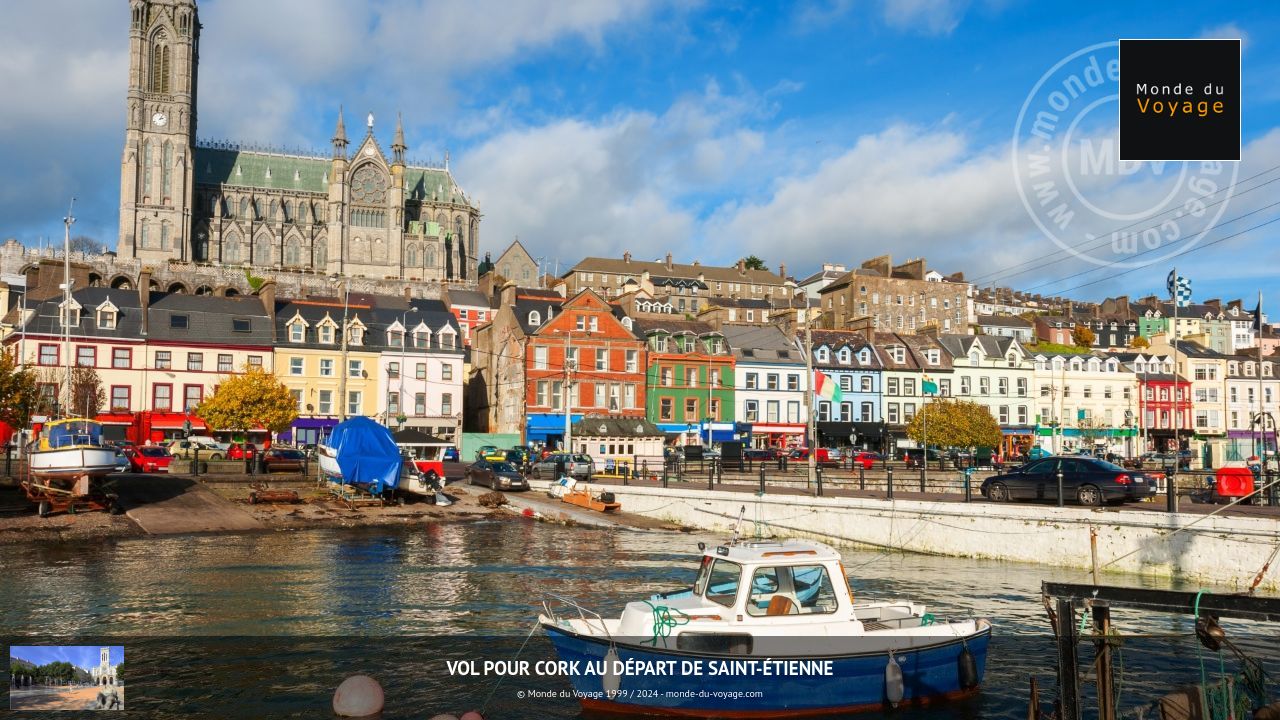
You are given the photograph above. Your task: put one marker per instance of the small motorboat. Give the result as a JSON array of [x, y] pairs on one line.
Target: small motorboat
[[769, 629], [360, 455], [568, 490], [72, 449]]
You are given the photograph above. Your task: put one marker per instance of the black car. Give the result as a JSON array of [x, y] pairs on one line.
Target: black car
[[496, 475], [1086, 480], [760, 454]]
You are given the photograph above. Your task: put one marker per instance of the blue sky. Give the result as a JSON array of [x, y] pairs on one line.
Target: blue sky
[[834, 130], [82, 656]]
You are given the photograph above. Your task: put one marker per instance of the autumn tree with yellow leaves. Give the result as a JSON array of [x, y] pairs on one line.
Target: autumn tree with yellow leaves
[[252, 399], [18, 391], [955, 423]]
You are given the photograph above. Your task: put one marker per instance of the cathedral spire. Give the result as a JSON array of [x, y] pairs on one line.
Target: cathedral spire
[[340, 137], [397, 145]]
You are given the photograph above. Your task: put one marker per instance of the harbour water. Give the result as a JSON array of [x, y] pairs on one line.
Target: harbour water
[[266, 625]]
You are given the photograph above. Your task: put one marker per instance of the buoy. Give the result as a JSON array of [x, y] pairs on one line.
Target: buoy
[[358, 696], [610, 681], [893, 682], [968, 669], [472, 715], [527, 512]]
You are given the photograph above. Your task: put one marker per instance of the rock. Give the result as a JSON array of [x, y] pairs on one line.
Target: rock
[[492, 499], [472, 715], [458, 491], [358, 696], [444, 717]]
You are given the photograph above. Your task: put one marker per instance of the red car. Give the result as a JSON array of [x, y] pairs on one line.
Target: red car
[[148, 459], [866, 459], [825, 457], [240, 451]]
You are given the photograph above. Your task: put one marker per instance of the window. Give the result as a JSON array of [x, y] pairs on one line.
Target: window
[[602, 358], [1022, 387], [793, 411], [666, 408], [1022, 414], [753, 381], [767, 592], [48, 355], [297, 400], [893, 386], [393, 369], [944, 387], [1004, 415], [867, 412], [326, 367], [393, 403], [864, 385], [106, 319], [540, 358], [191, 396], [668, 376], [892, 414], [691, 408], [846, 383], [793, 381], [355, 336], [691, 377], [355, 368], [87, 356], [122, 358], [771, 381], [225, 363], [195, 362], [178, 322], [752, 410], [908, 386], [353, 402], [241, 325], [163, 360], [1127, 392], [629, 395], [581, 321], [908, 412], [984, 386], [395, 338], [1088, 391], [162, 397], [1002, 386], [713, 408], [633, 361], [420, 404], [326, 335], [540, 394], [446, 372], [964, 385], [326, 402]]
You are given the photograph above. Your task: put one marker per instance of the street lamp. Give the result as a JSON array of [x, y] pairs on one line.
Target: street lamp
[[404, 341]]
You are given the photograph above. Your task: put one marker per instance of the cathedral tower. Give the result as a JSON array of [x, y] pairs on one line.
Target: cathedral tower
[[156, 183]]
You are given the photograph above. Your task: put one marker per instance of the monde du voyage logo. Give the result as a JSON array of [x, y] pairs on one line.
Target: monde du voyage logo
[[1180, 100]]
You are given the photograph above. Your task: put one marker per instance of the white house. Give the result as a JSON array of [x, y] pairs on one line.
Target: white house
[[769, 384], [1086, 402], [420, 385]]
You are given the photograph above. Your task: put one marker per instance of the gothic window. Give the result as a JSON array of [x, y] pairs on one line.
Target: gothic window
[[164, 235], [244, 208], [166, 170], [143, 240], [457, 231], [287, 209], [201, 247], [411, 255], [148, 156], [443, 222], [159, 80], [293, 253], [214, 207], [231, 248], [262, 251], [431, 256], [255, 210], [369, 185], [302, 211], [321, 253], [273, 210]]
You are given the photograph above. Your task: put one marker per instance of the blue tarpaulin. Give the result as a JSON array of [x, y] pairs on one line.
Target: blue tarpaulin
[[367, 454]]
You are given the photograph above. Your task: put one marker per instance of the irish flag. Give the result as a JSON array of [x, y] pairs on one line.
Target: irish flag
[[827, 388]]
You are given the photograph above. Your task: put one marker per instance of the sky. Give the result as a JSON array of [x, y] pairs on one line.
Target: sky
[[82, 656], [802, 132]]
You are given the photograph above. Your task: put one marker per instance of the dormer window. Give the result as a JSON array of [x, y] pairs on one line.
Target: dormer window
[[864, 357], [931, 356], [845, 356], [448, 339], [975, 357], [355, 336], [325, 332], [421, 339], [626, 323], [823, 355], [297, 332], [898, 353], [535, 319], [395, 337], [106, 319], [179, 322]]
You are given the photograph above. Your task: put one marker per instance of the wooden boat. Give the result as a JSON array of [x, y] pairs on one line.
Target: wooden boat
[[753, 639], [566, 490], [72, 449]]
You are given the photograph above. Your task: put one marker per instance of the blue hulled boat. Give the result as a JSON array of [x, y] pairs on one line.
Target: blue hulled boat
[[768, 630]]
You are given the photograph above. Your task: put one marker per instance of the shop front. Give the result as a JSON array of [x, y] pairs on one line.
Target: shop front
[[1016, 441], [861, 435], [546, 428], [308, 431], [777, 435]]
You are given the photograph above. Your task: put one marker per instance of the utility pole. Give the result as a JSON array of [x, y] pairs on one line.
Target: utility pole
[[344, 370], [565, 393], [808, 396], [66, 302]]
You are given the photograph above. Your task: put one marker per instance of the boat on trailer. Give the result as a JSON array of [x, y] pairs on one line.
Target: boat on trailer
[[769, 629], [72, 449]]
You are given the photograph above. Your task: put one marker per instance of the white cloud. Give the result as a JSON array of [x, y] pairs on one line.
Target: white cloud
[[1227, 31], [932, 17]]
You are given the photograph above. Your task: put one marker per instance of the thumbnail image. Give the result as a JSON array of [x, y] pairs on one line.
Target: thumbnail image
[[66, 677]]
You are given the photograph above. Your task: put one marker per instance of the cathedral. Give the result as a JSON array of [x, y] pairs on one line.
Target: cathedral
[[356, 212]]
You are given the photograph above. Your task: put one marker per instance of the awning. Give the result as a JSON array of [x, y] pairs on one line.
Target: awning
[[409, 436], [176, 421], [678, 428], [777, 429], [115, 418], [1019, 430], [552, 423], [314, 423]]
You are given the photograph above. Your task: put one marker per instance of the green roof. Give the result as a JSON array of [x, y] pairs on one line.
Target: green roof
[[427, 184], [264, 171]]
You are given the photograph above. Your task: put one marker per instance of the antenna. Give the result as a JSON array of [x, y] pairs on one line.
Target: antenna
[[737, 527]]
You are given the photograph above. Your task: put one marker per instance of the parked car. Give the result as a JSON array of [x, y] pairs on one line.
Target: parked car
[[280, 459], [149, 459], [518, 456], [496, 475], [187, 449], [578, 466], [825, 457], [760, 454], [866, 459], [491, 452], [450, 454], [913, 456], [1038, 453], [1086, 480], [122, 461], [241, 451], [208, 443]]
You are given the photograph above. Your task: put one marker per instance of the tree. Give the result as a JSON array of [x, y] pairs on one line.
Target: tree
[[751, 262], [87, 245], [955, 423], [252, 399], [19, 389], [1082, 336], [1139, 342], [87, 396]]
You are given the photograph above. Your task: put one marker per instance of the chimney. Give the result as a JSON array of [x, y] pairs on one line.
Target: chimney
[[1215, 303], [742, 267], [669, 265], [626, 257], [144, 298], [782, 270], [882, 265], [913, 269], [408, 292], [267, 294], [508, 295]]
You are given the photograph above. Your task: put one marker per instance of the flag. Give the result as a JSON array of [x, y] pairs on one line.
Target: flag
[[827, 388], [928, 387], [1257, 316], [1179, 288]]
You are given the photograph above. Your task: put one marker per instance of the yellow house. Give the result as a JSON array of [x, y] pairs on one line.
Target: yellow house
[[308, 360]]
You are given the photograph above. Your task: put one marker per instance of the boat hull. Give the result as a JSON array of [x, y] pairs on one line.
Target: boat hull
[[856, 683], [328, 460], [73, 462]]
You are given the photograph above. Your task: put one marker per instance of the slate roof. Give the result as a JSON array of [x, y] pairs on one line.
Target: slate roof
[[296, 173], [547, 303], [209, 319], [748, 303], [678, 270], [837, 339], [1010, 321], [655, 323], [466, 298], [765, 344], [44, 319], [1196, 350], [614, 426], [376, 320], [991, 345], [914, 357]]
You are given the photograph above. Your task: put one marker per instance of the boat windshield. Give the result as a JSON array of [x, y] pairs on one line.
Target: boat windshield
[[75, 432], [718, 581], [791, 590]]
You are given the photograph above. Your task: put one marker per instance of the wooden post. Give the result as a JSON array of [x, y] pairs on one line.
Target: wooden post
[[1106, 682], [1068, 677]]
